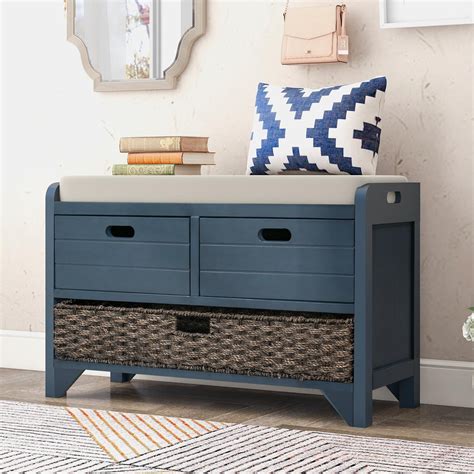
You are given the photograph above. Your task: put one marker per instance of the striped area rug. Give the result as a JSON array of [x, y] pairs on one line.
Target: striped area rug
[[37, 438]]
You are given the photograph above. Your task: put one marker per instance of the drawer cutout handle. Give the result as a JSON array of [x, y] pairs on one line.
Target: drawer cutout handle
[[193, 324], [120, 231], [275, 235]]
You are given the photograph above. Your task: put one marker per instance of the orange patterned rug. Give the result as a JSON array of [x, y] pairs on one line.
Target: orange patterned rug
[[38, 438]]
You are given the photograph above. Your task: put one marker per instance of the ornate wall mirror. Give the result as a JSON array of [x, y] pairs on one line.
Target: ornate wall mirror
[[135, 44]]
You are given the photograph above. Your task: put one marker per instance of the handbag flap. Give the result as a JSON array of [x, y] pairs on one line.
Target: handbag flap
[[310, 22]]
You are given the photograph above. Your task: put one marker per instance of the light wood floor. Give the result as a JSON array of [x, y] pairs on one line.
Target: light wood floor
[[440, 424]]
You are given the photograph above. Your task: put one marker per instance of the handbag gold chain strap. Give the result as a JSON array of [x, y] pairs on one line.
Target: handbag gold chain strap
[[343, 7]]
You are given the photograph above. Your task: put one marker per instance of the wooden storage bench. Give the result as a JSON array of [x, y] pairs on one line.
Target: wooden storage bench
[[346, 246]]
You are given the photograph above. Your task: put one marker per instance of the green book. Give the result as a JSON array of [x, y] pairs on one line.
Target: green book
[[142, 169], [150, 170]]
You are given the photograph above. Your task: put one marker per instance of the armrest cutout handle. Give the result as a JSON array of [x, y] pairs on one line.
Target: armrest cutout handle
[[275, 235], [120, 231], [394, 197]]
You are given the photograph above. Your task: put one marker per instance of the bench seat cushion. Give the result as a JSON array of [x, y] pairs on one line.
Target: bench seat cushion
[[294, 189]]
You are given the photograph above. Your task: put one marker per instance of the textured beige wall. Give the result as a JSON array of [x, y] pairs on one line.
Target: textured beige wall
[[53, 124]]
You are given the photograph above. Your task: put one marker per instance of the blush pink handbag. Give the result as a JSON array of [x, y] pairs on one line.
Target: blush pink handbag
[[315, 34]]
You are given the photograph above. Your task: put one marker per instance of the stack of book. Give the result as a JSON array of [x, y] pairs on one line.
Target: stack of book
[[164, 156]]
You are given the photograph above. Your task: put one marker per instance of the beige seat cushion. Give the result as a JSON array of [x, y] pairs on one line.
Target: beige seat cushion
[[337, 189]]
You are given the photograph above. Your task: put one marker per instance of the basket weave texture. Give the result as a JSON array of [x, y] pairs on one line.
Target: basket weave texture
[[304, 346]]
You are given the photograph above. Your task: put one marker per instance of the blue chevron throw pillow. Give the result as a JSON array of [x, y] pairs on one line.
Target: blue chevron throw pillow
[[334, 130]]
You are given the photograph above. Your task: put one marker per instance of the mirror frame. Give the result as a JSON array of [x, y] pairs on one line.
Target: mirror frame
[[171, 74]]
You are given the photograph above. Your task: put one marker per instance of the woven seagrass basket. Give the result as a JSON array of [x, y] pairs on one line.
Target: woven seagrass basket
[[304, 346]]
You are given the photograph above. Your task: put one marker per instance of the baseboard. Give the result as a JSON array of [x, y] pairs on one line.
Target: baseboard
[[22, 350], [443, 382]]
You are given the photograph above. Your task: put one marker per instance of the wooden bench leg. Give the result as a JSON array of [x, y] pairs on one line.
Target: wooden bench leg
[[341, 401], [120, 377], [363, 407], [58, 381], [355, 408], [407, 392]]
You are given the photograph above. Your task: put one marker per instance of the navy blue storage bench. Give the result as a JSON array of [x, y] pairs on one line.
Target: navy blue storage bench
[[293, 243]]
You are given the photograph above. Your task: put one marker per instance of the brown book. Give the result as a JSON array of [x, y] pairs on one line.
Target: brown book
[[153, 144], [172, 158]]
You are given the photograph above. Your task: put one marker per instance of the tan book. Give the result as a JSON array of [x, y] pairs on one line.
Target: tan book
[[172, 158], [152, 170], [152, 144]]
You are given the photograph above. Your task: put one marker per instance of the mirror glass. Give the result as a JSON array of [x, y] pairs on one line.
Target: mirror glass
[[132, 39]]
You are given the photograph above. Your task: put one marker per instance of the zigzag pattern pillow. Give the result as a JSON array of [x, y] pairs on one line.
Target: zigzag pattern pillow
[[334, 130]]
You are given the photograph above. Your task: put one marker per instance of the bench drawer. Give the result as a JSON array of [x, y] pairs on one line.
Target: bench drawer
[[126, 279], [128, 254], [326, 232], [299, 287], [122, 254], [272, 258], [285, 259], [126, 229]]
